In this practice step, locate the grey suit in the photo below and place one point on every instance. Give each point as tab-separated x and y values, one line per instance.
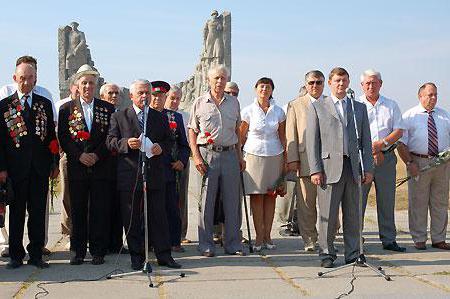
325	147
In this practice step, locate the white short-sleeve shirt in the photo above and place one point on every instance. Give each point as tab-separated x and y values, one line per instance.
262	137
415	135
384	117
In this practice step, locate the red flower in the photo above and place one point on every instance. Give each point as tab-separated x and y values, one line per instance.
210	140
173	125
19	108
83	135
207	134
12	134
54	147
70	117
271	192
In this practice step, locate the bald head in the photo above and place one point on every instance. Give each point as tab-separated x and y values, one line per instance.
25	77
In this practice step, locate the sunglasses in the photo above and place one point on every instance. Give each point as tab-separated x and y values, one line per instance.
318	82
232	93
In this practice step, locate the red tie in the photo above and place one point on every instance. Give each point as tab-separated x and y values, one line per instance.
432	136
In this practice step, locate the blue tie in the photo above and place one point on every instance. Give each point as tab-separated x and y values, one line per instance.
141	120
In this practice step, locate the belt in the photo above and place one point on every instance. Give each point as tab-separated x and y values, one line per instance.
423	156
217	148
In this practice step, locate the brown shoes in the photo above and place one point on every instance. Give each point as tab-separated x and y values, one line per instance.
420	245
441	245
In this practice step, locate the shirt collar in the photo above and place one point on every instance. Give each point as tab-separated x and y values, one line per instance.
84	103
209	97
137	109
335	99
313	99
422	109
378	102
20	94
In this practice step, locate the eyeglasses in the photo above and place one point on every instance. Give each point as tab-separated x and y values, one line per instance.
232	93
318	82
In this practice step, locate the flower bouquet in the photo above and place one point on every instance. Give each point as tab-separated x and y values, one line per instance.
54	150
441	158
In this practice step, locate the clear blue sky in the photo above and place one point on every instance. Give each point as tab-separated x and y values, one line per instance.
408	41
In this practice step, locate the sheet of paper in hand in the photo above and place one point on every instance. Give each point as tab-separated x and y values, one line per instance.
148	146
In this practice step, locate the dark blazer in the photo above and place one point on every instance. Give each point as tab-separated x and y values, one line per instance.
178	143
124	125
32	150
96	143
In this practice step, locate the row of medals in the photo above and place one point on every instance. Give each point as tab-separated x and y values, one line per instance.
16	124
41	121
75	124
101	117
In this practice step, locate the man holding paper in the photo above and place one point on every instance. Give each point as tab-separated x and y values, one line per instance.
125	137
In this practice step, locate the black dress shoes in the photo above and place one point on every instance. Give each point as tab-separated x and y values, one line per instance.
14	264
238	252
327	263
76	260
394	247
97	260
39	263
170	263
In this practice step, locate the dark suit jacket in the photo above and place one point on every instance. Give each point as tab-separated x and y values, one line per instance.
33	152
96	143
124	125
178	143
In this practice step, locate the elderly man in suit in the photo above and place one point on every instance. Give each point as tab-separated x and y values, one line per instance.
297	158
82	127
124	137
26	130
334	164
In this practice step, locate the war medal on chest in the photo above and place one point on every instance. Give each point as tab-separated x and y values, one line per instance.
15	122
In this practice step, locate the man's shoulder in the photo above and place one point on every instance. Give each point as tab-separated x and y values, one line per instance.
104	104
39	97
410	112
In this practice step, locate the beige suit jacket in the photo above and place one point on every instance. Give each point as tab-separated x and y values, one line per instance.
296	133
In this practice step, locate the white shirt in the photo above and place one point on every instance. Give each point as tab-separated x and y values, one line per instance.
384	117
10	89
88	111
415	135
262	137
341	108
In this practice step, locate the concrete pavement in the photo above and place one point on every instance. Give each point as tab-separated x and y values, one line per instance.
286	272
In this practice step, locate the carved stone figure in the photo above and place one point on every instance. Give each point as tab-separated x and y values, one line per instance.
216	50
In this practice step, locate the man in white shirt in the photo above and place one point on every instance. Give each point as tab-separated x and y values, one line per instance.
6	91
386	127
427	133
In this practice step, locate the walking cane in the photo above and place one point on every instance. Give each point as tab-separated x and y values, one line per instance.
250	248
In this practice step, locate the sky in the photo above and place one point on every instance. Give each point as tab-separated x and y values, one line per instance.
407	41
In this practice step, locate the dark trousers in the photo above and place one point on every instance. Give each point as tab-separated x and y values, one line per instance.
132	211
115	238
90	211
29	194
173	213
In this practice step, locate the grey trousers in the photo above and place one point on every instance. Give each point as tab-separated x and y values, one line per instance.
384	179
344	192
184	183
223	170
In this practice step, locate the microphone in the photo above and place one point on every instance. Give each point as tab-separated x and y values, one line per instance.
350	93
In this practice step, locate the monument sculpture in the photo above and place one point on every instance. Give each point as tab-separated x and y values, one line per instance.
216	50
73	52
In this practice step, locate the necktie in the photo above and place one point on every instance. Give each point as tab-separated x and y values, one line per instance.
432	136
141	120
27	108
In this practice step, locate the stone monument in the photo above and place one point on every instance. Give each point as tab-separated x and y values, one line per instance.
216	50
73	52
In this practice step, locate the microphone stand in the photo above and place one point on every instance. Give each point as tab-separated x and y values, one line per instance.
147	269
361	260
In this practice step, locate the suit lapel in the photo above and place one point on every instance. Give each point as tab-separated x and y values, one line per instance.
132	116
329	104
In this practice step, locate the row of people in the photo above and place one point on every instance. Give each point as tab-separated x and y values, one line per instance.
315	140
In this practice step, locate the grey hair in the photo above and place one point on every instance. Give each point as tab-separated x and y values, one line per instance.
231	84
370	73
220	68
174	88
138	82
314	73
103	87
